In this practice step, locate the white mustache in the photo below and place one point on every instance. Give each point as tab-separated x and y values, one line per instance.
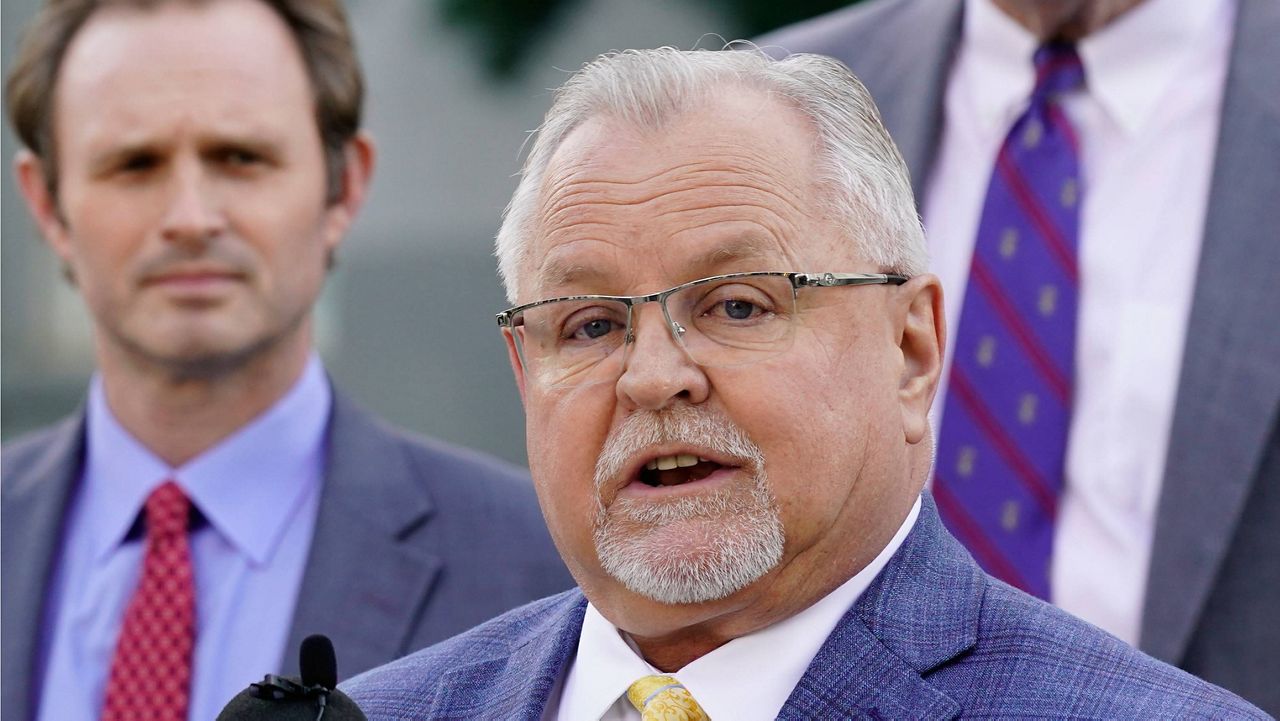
678	424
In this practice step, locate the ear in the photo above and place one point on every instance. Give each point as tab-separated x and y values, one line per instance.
922	337
513	355
30	173
360	156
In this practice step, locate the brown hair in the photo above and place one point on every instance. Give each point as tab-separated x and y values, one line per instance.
319	26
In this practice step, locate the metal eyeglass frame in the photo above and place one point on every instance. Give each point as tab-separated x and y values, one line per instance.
506	319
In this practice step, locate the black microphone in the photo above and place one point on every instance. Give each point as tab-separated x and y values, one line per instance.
316	661
314	696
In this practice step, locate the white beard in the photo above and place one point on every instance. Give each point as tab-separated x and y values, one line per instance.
692	549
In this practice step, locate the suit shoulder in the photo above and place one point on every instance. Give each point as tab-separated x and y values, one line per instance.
470	483
430	462
836	32
1032	658
446	458
405	685
20	455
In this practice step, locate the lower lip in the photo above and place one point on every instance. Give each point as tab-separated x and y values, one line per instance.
719	477
194	283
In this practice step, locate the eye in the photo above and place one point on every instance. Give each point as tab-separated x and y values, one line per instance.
593	324
735	303
138	163
739	309
593	329
240	157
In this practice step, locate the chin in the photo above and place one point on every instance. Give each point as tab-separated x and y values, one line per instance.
203	357
692	561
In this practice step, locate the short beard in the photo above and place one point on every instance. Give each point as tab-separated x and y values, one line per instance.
210	366
738	535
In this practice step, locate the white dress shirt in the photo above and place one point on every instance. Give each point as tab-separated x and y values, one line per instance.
1148	123
775	658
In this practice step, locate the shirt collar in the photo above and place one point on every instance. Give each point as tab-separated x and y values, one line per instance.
606	663
1129	65
247	485
1132	62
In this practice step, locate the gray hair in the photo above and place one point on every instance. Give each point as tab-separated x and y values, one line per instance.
867	179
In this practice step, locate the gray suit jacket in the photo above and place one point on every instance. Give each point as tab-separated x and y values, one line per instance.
415	541
1214	583
933	637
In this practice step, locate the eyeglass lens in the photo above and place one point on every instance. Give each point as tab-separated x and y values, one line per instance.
731	321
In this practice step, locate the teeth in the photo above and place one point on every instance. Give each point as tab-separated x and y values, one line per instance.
666	463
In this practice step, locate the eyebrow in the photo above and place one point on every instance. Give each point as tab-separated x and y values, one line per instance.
746	247
561	273
111	157
213	143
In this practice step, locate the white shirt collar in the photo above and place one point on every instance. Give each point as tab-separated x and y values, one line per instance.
1129	65
606	664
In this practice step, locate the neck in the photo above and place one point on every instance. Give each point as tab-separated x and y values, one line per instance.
178	414
1070	20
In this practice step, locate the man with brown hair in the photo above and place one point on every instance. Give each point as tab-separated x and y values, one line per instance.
195	165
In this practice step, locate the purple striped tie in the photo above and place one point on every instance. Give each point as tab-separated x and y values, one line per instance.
1002	447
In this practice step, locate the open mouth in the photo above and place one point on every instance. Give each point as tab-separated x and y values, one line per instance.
676	470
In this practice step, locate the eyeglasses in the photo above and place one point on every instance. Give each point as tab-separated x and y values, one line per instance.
724	320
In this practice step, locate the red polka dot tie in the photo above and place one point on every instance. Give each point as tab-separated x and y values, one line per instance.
151	669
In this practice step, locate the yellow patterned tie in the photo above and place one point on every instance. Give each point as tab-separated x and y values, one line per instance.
662	698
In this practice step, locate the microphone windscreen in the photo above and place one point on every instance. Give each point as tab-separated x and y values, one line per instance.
317	662
247	707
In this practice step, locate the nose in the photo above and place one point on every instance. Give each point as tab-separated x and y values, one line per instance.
657	370
193	216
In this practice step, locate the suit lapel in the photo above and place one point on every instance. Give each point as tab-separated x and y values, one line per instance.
362	586
518	686
35	506
1229	389
919	613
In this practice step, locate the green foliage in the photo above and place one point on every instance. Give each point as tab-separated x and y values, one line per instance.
505	30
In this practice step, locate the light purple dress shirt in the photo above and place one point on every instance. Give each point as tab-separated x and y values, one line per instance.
259	492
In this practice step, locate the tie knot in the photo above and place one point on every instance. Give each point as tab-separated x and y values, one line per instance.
168	510
663	698
1058	70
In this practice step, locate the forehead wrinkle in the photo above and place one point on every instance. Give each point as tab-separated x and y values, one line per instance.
744	167
559	269
566	215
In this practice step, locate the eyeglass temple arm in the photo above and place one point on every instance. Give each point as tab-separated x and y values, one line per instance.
828	280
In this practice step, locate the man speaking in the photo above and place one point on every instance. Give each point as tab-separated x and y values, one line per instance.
195	165
727	343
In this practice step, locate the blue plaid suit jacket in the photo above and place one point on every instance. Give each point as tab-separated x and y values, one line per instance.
933	637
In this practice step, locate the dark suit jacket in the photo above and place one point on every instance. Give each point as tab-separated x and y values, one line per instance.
415	541
933	637
1214	583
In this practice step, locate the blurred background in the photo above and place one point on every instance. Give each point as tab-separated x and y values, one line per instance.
406	323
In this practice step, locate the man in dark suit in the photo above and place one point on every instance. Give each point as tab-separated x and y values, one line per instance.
1165	533
194	166
727	343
